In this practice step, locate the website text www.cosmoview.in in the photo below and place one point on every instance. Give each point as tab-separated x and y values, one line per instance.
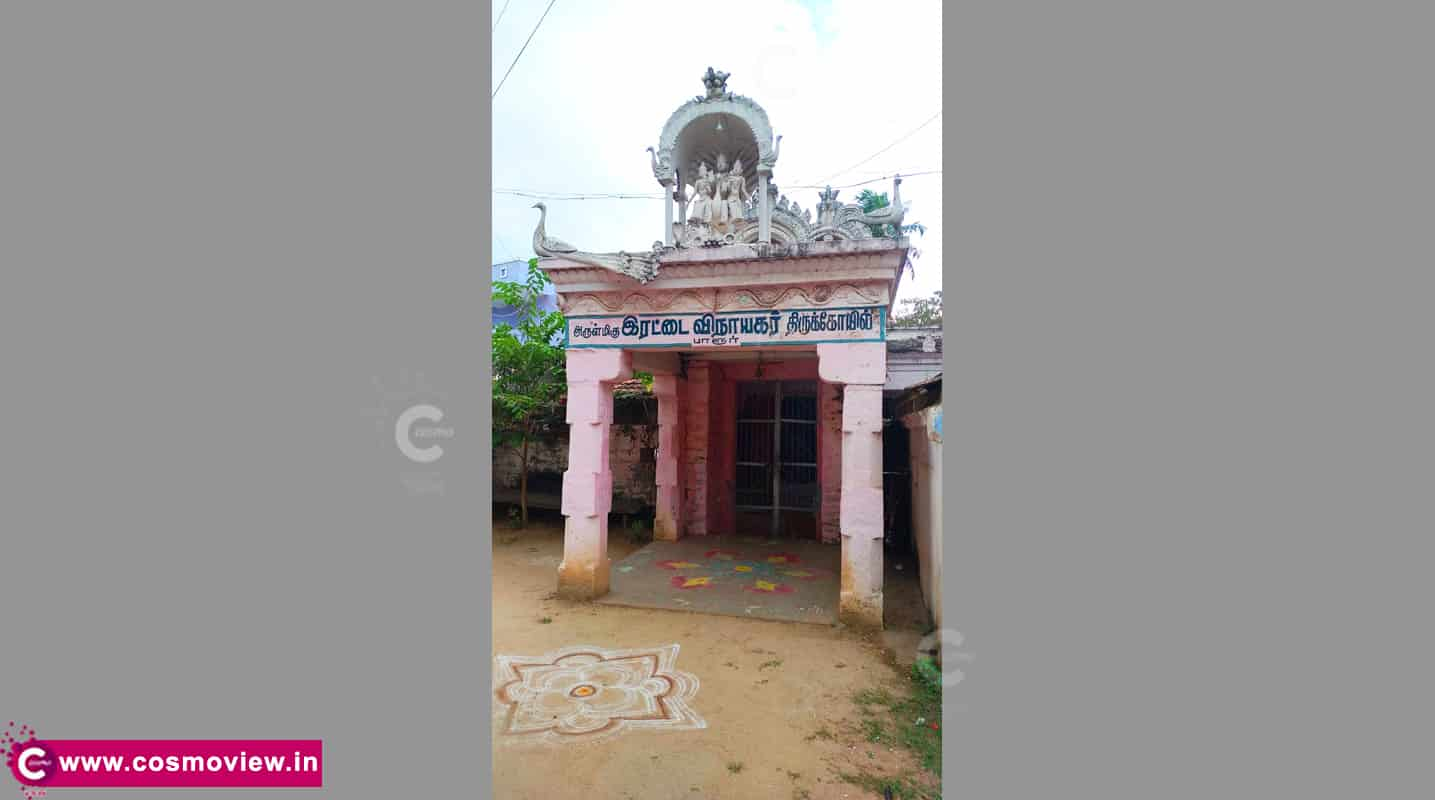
168	763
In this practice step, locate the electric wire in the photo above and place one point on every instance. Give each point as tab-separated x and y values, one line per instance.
538	195
521	49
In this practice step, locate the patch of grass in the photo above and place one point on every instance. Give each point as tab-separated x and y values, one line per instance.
874	697
734	767
927	675
774	664
900	788
822	733
923	701
793	775
926	743
545	621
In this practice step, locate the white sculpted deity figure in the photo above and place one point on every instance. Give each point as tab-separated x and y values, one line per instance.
701	210
732	189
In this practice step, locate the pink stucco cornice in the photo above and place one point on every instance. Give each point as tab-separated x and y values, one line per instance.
808	274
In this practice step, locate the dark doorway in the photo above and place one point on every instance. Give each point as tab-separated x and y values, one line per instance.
896	484
776	444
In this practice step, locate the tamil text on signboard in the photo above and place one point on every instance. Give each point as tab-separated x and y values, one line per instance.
729	329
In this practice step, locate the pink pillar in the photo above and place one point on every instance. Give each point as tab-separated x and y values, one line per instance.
588	483
695	449
829	451
668	519
722	452
862	369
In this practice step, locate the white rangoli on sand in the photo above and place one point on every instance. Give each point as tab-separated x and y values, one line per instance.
582	693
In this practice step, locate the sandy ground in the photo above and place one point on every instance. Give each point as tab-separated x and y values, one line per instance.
763	719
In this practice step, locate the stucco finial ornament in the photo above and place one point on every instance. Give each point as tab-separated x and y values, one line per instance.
827	207
716	83
662	166
642	267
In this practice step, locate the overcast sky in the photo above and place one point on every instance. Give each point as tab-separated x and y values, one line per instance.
839	79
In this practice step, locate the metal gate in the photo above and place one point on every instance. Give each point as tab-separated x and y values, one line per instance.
777	456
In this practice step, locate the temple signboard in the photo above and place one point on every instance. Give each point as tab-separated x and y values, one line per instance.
767	327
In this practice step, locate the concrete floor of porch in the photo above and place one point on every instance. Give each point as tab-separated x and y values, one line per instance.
757	577
782	579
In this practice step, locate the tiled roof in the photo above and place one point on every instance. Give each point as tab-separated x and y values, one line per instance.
913	344
630	387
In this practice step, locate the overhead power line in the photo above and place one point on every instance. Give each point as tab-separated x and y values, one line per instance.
577	195
537	195
905	175
524	47
500	15
504	244
905	137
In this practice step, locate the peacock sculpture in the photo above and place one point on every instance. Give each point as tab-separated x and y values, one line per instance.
662	167
545	245
892	214
641	267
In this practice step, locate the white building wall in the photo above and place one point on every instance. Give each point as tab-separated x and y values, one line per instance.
925	429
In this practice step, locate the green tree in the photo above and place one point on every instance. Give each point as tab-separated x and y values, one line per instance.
529	379
871	201
920	312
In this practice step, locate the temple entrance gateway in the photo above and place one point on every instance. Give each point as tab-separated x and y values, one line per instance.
764	329
776	476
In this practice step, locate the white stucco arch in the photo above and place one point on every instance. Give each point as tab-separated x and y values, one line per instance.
691	133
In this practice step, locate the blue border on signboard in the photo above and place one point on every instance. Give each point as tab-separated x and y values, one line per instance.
881	329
